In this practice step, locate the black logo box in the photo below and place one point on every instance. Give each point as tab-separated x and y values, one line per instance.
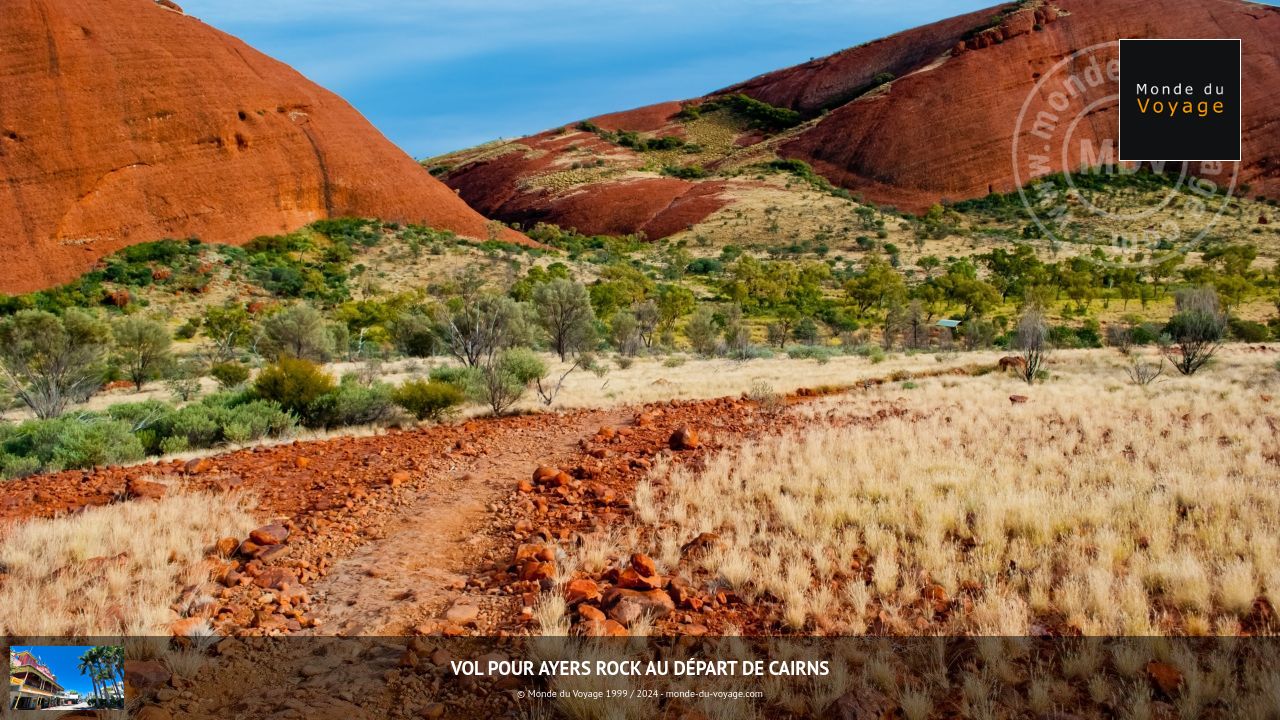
1180	62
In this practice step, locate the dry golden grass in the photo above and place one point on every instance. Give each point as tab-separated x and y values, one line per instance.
1098	505
657	379
114	569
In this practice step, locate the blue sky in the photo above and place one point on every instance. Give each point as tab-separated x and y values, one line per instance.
439	75
63	661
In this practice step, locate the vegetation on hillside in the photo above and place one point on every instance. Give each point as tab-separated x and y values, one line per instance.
261	321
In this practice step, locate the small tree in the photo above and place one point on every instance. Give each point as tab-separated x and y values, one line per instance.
647	321
737	336
298	331
1195	331
564	313
142	348
1033	340
480	329
624	334
702	332
1120	337
48	362
504	381
228	329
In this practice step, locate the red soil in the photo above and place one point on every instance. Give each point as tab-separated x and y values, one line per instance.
656	207
649	118
127	121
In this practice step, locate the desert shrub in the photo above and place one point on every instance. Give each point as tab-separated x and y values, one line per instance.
18	466
299	331
229	374
806	331
874	353
1120	337
1195	331
1249	331
463	378
142	348
48	361
188	329
414	334
353	403
1145	333
704	266
1066	336
761	115
685	172
70	442
812	352
504	381
216	419
294	384
197	424
428	399
1089	335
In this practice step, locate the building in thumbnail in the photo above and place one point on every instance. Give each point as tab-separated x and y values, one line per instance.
32	686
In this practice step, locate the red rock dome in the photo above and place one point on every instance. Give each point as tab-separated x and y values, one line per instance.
942	127
124	121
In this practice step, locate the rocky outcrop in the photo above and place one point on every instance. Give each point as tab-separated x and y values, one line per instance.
123	121
922	116
947	131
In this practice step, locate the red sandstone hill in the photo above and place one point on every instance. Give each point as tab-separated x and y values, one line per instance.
943	128
123	121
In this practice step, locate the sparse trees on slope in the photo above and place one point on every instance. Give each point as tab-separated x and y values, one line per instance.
48	361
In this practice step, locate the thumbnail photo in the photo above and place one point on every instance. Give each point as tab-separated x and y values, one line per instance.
65	680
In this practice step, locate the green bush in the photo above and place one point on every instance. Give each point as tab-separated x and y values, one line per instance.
294	384
705	266
68	442
1249	331
685	172
501	384
352	403
229	374
761	115
812	352
220	418
1145	333
188	329
463	378
17	466
428	399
